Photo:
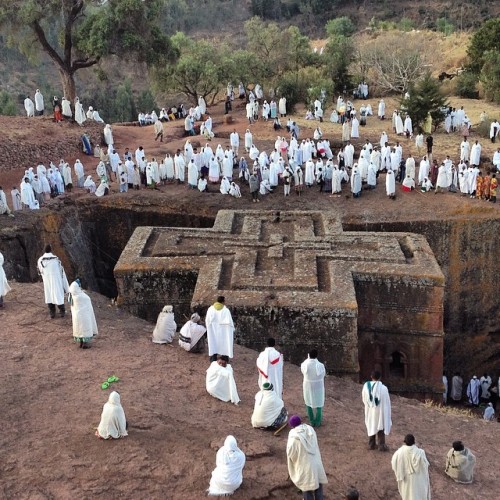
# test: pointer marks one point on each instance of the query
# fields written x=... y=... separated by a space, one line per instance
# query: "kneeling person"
x=269 y=411
x=192 y=335
x=220 y=380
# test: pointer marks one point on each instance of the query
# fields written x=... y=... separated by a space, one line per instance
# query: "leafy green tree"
x=197 y=72
x=425 y=97
x=406 y=24
x=490 y=75
x=124 y=103
x=337 y=57
x=146 y=101
x=76 y=34
x=340 y=26
x=486 y=38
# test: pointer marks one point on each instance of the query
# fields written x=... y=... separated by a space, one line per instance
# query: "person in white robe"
x=108 y=135
x=408 y=127
x=225 y=186
x=381 y=110
x=371 y=178
x=79 y=113
x=228 y=473
x=4 y=285
x=489 y=413
x=485 y=381
x=235 y=190
x=282 y=106
x=410 y=167
x=227 y=167
x=398 y=122
x=248 y=140
x=465 y=150
x=82 y=315
x=29 y=107
x=179 y=167
x=27 y=194
x=460 y=463
x=103 y=188
x=305 y=466
x=411 y=468
x=346 y=132
x=456 y=387
x=442 y=179
x=202 y=104
x=192 y=335
x=79 y=173
x=220 y=329
x=475 y=154
x=270 y=367
x=90 y=113
x=4 y=207
x=356 y=182
x=269 y=411
x=355 y=128
x=474 y=391
x=166 y=326
x=390 y=184
x=423 y=171
x=39 y=103
x=96 y=117
x=89 y=184
x=55 y=283
x=220 y=381
x=377 y=403
x=313 y=387
x=66 y=108
x=113 y=423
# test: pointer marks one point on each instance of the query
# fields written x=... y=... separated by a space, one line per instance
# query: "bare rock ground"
x=51 y=400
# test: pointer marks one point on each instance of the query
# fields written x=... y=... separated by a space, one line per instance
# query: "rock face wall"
x=358 y=297
x=89 y=237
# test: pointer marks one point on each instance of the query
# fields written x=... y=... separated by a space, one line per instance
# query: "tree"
x=490 y=75
x=342 y=26
x=197 y=72
x=397 y=60
x=76 y=34
x=486 y=38
x=7 y=104
x=425 y=97
x=337 y=57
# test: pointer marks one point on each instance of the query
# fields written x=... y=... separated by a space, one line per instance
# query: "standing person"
x=4 y=286
x=445 y=388
x=220 y=329
x=375 y=396
x=456 y=387
x=39 y=104
x=158 y=127
x=16 y=199
x=473 y=391
x=411 y=468
x=460 y=463
x=270 y=367
x=113 y=423
x=430 y=143
x=4 y=207
x=305 y=466
x=55 y=283
x=228 y=473
x=313 y=387
x=165 y=326
x=82 y=315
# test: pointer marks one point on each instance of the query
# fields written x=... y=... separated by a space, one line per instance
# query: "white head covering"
x=228 y=474
x=113 y=422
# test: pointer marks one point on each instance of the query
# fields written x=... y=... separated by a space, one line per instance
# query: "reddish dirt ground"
x=51 y=402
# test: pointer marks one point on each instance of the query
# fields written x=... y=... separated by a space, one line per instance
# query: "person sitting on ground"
x=460 y=463
x=220 y=381
x=165 y=327
x=89 y=185
x=489 y=413
x=192 y=335
x=269 y=411
x=113 y=423
x=228 y=473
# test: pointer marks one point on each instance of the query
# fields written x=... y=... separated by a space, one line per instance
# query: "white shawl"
x=113 y=422
x=228 y=473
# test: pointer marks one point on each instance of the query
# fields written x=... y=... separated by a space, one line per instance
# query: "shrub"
x=466 y=85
